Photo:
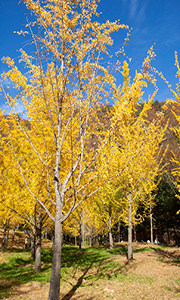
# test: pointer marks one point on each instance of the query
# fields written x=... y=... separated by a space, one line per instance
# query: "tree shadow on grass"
x=164 y=253
x=122 y=250
x=77 y=285
x=168 y=257
x=20 y=269
x=6 y=289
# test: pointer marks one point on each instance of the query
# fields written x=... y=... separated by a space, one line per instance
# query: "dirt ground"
x=151 y=275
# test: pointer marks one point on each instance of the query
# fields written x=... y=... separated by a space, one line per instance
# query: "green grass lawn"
x=17 y=267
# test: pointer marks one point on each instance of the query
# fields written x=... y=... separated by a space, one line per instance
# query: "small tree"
x=138 y=142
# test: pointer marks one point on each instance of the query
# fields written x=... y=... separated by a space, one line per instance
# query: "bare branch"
x=47 y=170
x=68 y=176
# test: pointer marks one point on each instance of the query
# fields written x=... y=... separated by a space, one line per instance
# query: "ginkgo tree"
x=133 y=145
x=9 y=184
x=14 y=196
x=64 y=82
x=107 y=209
x=138 y=142
x=176 y=111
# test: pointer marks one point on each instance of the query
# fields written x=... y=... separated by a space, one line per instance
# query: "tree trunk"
x=119 y=232
x=45 y=240
x=75 y=240
x=103 y=242
x=54 y=289
x=83 y=235
x=134 y=232
x=32 y=246
x=168 y=236
x=52 y=239
x=175 y=235
x=160 y=230
x=80 y=237
x=13 y=233
x=7 y=237
x=3 y=241
x=151 y=225
x=38 y=249
x=130 y=252
x=111 y=245
x=99 y=240
x=90 y=241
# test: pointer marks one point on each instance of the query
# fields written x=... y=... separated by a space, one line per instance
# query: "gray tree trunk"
x=56 y=264
x=119 y=232
x=38 y=248
x=52 y=239
x=80 y=237
x=75 y=239
x=13 y=233
x=134 y=232
x=32 y=246
x=151 y=225
x=45 y=237
x=168 y=235
x=111 y=245
x=90 y=240
x=130 y=252
x=103 y=238
x=3 y=240
x=176 y=239
x=83 y=235
x=7 y=237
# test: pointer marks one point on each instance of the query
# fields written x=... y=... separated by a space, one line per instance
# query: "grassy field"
x=97 y=273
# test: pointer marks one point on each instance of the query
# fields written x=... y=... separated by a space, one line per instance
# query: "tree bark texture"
x=151 y=225
x=13 y=233
x=130 y=252
x=80 y=237
x=75 y=238
x=32 y=246
x=135 y=233
x=168 y=239
x=38 y=248
x=45 y=237
x=54 y=289
x=7 y=237
x=111 y=245
x=3 y=241
x=83 y=235
x=119 y=232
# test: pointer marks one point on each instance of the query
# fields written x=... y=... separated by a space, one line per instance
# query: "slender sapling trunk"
x=130 y=252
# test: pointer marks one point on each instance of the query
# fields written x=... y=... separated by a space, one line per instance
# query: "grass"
x=160 y=259
x=92 y=264
x=176 y=260
x=20 y=267
x=135 y=278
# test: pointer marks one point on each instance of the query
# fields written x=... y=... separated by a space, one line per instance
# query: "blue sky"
x=153 y=22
